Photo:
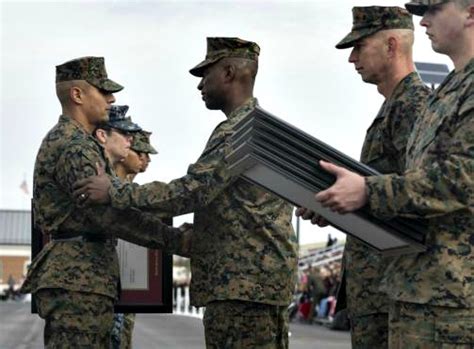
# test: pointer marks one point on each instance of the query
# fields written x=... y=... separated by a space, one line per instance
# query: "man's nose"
x=352 y=57
x=111 y=98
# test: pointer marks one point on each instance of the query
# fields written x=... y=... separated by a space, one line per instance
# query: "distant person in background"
x=316 y=290
x=331 y=241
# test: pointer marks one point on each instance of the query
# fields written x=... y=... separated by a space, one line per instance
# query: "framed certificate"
x=146 y=275
x=146 y=278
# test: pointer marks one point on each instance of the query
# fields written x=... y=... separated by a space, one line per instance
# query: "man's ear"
x=101 y=135
x=229 y=72
x=470 y=16
x=76 y=94
x=392 y=46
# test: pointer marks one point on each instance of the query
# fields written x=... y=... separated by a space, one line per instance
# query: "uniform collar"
x=72 y=124
x=250 y=104
x=455 y=78
x=409 y=80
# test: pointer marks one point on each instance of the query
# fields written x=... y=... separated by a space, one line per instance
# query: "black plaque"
x=284 y=160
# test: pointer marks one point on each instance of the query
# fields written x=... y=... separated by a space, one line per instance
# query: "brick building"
x=15 y=245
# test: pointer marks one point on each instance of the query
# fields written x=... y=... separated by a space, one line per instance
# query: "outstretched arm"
x=204 y=180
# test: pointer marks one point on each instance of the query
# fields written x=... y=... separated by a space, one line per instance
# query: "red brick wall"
x=11 y=266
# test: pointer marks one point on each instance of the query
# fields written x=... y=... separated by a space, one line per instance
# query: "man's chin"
x=212 y=106
x=369 y=80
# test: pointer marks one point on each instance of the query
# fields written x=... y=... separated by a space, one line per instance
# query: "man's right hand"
x=307 y=214
x=94 y=189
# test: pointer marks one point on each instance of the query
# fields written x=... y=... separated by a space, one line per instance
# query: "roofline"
x=13 y=244
x=14 y=210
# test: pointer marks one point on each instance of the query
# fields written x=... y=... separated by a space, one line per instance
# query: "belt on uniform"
x=83 y=238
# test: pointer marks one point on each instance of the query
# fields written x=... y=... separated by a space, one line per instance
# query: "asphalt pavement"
x=19 y=329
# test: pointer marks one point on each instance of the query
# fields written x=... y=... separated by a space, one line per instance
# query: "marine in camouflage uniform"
x=117 y=153
x=432 y=291
x=384 y=149
x=75 y=277
x=124 y=323
x=243 y=256
x=142 y=146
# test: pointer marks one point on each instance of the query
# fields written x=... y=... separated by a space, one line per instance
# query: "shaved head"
x=63 y=88
x=245 y=69
x=405 y=38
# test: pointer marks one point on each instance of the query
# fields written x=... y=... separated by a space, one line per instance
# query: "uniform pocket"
x=455 y=330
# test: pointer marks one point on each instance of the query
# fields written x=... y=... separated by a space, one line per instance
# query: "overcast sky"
x=149 y=48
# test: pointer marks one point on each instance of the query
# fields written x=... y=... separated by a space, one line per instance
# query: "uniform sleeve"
x=204 y=180
x=145 y=229
x=442 y=187
x=407 y=110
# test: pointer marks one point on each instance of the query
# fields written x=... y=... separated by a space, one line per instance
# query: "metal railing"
x=322 y=256
x=182 y=304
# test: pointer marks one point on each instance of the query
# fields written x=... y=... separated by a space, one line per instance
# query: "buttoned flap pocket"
x=455 y=329
x=431 y=127
x=372 y=152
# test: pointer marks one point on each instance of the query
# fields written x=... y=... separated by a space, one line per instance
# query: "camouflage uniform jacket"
x=69 y=153
x=384 y=149
x=437 y=185
x=242 y=246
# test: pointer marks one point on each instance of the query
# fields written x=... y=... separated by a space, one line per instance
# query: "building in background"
x=15 y=246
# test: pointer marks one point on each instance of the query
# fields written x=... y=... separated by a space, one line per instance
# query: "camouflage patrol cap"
x=141 y=143
x=419 y=7
x=218 y=48
x=369 y=20
x=90 y=69
x=118 y=119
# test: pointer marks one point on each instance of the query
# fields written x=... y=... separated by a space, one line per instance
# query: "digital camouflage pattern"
x=68 y=153
x=384 y=149
x=90 y=69
x=218 y=48
x=419 y=7
x=370 y=331
x=439 y=186
x=243 y=246
x=245 y=325
x=118 y=119
x=419 y=326
x=141 y=143
x=372 y=19
x=75 y=319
